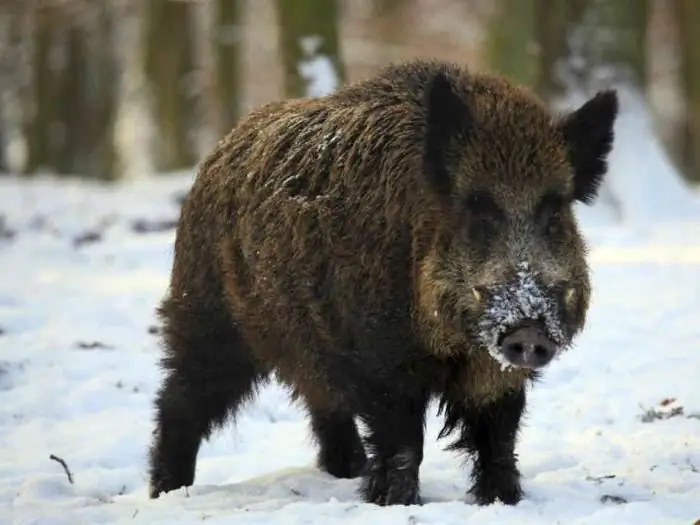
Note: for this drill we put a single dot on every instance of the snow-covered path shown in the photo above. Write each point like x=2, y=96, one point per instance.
x=78, y=373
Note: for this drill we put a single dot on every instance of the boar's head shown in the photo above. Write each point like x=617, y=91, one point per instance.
x=506, y=263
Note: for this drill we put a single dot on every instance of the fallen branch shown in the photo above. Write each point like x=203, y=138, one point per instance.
x=610, y=498
x=65, y=467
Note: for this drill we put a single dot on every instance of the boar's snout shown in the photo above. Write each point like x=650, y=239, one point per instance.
x=528, y=346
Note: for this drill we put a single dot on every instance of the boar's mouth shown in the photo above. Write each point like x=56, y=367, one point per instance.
x=521, y=325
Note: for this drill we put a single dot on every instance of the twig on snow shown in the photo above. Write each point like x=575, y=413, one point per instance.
x=65, y=467
x=610, y=498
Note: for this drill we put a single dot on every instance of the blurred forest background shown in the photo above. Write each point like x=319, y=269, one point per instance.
x=112, y=89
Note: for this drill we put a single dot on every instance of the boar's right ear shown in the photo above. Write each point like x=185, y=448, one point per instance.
x=446, y=115
x=589, y=135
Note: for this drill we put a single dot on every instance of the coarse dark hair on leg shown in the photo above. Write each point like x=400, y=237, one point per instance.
x=396, y=423
x=209, y=375
x=341, y=452
x=488, y=433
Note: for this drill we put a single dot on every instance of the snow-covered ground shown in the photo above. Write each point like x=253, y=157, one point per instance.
x=612, y=437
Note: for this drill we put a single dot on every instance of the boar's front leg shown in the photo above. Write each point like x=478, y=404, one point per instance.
x=489, y=432
x=396, y=424
x=341, y=453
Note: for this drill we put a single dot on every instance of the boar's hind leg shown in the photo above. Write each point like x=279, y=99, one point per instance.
x=209, y=373
x=489, y=432
x=341, y=452
x=396, y=425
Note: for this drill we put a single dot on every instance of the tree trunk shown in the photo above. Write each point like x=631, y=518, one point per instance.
x=15, y=83
x=511, y=44
x=310, y=47
x=168, y=60
x=390, y=23
x=103, y=98
x=70, y=127
x=554, y=17
x=39, y=116
x=227, y=65
x=71, y=91
x=688, y=23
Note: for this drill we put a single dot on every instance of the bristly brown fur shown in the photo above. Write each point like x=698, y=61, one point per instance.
x=335, y=241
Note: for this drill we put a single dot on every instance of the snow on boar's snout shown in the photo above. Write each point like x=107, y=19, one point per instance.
x=522, y=324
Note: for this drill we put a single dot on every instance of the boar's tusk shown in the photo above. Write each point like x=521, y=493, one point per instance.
x=569, y=294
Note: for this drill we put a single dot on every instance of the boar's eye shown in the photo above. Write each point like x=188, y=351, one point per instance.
x=548, y=213
x=484, y=217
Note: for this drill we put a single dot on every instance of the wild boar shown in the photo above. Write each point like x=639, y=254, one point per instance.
x=406, y=238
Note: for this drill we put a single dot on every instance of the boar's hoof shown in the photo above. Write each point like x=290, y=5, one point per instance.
x=504, y=488
x=157, y=487
x=343, y=464
x=386, y=487
x=528, y=347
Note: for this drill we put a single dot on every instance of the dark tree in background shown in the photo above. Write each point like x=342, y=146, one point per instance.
x=511, y=46
x=687, y=15
x=526, y=39
x=69, y=115
x=169, y=64
x=74, y=73
x=227, y=53
x=388, y=16
x=41, y=106
x=552, y=20
x=15, y=77
x=302, y=23
x=88, y=91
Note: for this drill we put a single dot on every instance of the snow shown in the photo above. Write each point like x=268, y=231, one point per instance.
x=317, y=69
x=612, y=434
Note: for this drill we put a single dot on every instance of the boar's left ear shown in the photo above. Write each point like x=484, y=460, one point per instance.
x=446, y=115
x=588, y=132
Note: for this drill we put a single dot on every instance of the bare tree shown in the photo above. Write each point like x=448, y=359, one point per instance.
x=227, y=52
x=310, y=47
x=67, y=110
x=390, y=23
x=511, y=45
x=527, y=41
x=39, y=111
x=87, y=93
x=687, y=14
x=553, y=19
x=15, y=82
x=169, y=66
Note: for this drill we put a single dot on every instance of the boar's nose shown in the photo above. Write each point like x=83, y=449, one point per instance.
x=528, y=347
